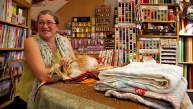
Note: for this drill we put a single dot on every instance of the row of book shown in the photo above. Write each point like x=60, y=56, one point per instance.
x=5, y=58
x=185, y=49
x=10, y=12
x=111, y=57
x=11, y=36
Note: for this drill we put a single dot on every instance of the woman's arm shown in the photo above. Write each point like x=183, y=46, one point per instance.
x=34, y=58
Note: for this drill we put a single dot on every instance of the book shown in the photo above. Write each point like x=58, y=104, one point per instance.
x=2, y=62
x=19, y=16
x=8, y=10
x=5, y=36
x=1, y=34
x=3, y=9
x=14, y=13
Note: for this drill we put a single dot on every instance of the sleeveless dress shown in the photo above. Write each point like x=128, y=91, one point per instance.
x=27, y=91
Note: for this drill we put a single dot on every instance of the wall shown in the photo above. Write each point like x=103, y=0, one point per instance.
x=75, y=8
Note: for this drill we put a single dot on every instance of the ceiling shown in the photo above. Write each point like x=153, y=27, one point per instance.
x=53, y=5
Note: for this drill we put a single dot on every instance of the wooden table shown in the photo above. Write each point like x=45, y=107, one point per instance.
x=79, y=96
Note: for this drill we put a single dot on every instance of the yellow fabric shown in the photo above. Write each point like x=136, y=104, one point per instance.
x=23, y=90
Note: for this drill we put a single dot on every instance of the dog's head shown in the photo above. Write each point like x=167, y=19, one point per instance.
x=59, y=70
x=56, y=69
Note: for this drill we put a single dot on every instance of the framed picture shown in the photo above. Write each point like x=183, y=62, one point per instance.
x=2, y=60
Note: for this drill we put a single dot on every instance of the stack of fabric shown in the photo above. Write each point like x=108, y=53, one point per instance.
x=159, y=86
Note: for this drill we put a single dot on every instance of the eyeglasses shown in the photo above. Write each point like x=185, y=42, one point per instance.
x=47, y=23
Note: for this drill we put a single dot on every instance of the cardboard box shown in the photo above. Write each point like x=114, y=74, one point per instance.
x=4, y=87
x=29, y=1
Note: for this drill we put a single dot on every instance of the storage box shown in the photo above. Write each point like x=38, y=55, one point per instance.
x=4, y=87
x=29, y=1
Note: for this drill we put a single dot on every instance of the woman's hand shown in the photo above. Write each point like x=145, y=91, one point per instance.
x=65, y=61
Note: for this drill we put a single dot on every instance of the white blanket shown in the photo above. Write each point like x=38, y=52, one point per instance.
x=155, y=85
x=159, y=78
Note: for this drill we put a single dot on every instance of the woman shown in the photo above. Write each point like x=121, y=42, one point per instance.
x=46, y=47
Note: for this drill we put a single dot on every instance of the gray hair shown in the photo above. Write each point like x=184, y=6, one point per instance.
x=44, y=12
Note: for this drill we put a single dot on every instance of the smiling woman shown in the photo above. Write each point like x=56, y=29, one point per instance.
x=40, y=51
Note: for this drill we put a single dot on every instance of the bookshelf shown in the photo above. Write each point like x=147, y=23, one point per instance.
x=175, y=39
x=185, y=52
x=15, y=24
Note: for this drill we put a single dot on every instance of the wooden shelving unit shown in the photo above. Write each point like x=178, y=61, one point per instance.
x=156, y=24
x=12, y=49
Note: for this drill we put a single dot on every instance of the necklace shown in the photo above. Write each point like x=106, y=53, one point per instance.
x=52, y=46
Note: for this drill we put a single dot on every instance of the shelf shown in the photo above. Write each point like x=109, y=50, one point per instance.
x=169, y=62
x=159, y=22
x=86, y=53
x=158, y=4
x=156, y=36
x=80, y=37
x=148, y=50
x=186, y=35
x=13, y=24
x=6, y=103
x=189, y=90
x=185, y=62
x=22, y=3
x=12, y=49
x=95, y=55
x=7, y=77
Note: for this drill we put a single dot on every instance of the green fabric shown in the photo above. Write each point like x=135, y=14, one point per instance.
x=52, y=98
x=23, y=90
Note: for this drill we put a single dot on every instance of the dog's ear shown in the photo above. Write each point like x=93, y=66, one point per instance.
x=52, y=63
x=61, y=68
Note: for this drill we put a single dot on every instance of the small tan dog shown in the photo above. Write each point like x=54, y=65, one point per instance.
x=81, y=64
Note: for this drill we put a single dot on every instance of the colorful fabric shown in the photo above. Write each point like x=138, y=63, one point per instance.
x=48, y=57
x=85, y=77
x=159, y=86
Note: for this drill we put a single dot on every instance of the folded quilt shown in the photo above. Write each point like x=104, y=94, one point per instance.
x=160, y=78
x=170, y=100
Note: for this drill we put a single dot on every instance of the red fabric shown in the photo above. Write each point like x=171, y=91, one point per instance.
x=82, y=77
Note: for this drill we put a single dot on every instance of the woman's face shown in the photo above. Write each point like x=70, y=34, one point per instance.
x=47, y=26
